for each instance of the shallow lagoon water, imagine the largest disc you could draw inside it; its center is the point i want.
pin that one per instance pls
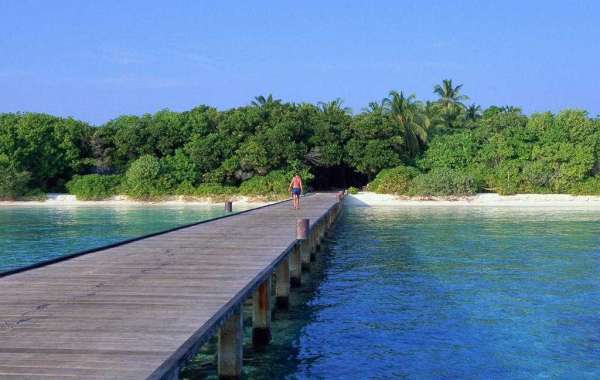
(414, 293)
(29, 234)
(443, 293)
(457, 293)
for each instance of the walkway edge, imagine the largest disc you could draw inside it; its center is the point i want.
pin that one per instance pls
(187, 350)
(127, 241)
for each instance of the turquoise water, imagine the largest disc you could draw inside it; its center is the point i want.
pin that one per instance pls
(29, 234)
(443, 293)
(398, 293)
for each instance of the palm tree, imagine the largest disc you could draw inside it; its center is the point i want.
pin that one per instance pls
(375, 107)
(450, 97)
(510, 109)
(334, 106)
(408, 115)
(261, 102)
(473, 112)
(449, 103)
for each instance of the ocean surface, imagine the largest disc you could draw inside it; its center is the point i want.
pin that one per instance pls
(397, 293)
(29, 234)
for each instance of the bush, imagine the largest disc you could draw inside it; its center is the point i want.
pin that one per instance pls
(214, 189)
(393, 181)
(177, 170)
(225, 173)
(94, 186)
(444, 182)
(537, 177)
(274, 183)
(506, 178)
(456, 150)
(185, 188)
(142, 179)
(13, 183)
(352, 190)
(589, 186)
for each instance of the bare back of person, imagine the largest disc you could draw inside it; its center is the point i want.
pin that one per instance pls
(296, 190)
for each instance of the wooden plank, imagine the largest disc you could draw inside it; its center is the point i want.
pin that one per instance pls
(134, 311)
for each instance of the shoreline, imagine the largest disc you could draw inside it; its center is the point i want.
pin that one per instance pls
(365, 199)
(479, 200)
(70, 200)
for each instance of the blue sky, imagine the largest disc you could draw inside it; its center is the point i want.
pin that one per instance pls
(95, 60)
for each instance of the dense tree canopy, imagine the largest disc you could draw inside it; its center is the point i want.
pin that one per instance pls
(406, 146)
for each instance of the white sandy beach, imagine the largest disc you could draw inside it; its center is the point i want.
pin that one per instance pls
(54, 199)
(480, 200)
(360, 199)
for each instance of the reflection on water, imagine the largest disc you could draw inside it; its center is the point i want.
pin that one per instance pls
(443, 293)
(29, 234)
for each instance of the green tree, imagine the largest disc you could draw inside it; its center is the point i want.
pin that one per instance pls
(263, 102)
(371, 156)
(449, 95)
(13, 183)
(142, 178)
(450, 103)
(473, 112)
(328, 137)
(410, 120)
(178, 169)
(50, 148)
(123, 140)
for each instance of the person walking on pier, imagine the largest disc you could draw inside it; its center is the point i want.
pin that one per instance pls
(296, 189)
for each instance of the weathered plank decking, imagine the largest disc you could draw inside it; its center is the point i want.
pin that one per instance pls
(140, 309)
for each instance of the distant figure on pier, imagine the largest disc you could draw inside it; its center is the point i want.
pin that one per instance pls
(296, 189)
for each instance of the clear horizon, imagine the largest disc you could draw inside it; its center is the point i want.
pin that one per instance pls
(96, 61)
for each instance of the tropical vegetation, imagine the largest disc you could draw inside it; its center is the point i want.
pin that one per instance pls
(398, 145)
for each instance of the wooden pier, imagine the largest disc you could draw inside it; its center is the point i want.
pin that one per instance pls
(142, 309)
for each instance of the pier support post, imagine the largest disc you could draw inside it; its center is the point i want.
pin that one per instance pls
(322, 231)
(295, 268)
(330, 220)
(302, 230)
(313, 243)
(261, 314)
(231, 339)
(282, 284)
(319, 234)
(305, 254)
(228, 206)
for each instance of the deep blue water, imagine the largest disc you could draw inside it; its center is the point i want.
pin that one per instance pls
(29, 234)
(443, 293)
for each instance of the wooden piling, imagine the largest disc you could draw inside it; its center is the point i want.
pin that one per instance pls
(231, 339)
(228, 206)
(295, 267)
(313, 244)
(261, 314)
(282, 284)
(302, 228)
(305, 253)
(302, 234)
